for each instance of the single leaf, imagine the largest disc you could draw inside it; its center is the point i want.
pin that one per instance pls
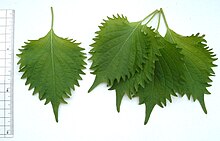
(120, 49)
(198, 63)
(52, 66)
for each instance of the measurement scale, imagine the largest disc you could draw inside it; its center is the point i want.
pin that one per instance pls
(6, 72)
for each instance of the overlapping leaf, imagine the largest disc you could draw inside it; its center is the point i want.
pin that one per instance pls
(52, 66)
(120, 49)
(198, 63)
(140, 78)
(168, 79)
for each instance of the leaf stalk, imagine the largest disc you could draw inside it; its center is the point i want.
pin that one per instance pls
(52, 17)
(158, 24)
(165, 21)
(164, 18)
(151, 14)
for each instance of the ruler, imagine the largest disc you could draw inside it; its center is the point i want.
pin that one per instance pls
(6, 72)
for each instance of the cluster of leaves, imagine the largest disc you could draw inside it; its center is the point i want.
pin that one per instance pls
(136, 60)
(52, 66)
(131, 57)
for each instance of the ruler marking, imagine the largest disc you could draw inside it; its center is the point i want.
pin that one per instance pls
(5, 84)
(4, 33)
(6, 17)
(5, 67)
(6, 25)
(5, 40)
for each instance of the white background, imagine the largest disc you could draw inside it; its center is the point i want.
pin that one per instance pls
(93, 116)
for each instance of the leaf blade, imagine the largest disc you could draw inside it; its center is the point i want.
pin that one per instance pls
(48, 66)
(198, 63)
(118, 50)
(131, 85)
(166, 81)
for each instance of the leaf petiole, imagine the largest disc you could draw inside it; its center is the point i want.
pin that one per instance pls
(52, 17)
(164, 18)
(151, 18)
(152, 15)
(158, 24)
(166, 24)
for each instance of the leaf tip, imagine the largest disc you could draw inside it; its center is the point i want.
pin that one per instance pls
(96, 82)
(55, 106)
(119, 96)
(149, 109)
(202, 103)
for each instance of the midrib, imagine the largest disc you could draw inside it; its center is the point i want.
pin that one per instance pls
(52, 62)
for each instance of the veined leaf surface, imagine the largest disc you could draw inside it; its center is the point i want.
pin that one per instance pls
(135, 60)
(52, 66)
(120, 49)
(168, 79)
(198, 63)
(131, 85)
